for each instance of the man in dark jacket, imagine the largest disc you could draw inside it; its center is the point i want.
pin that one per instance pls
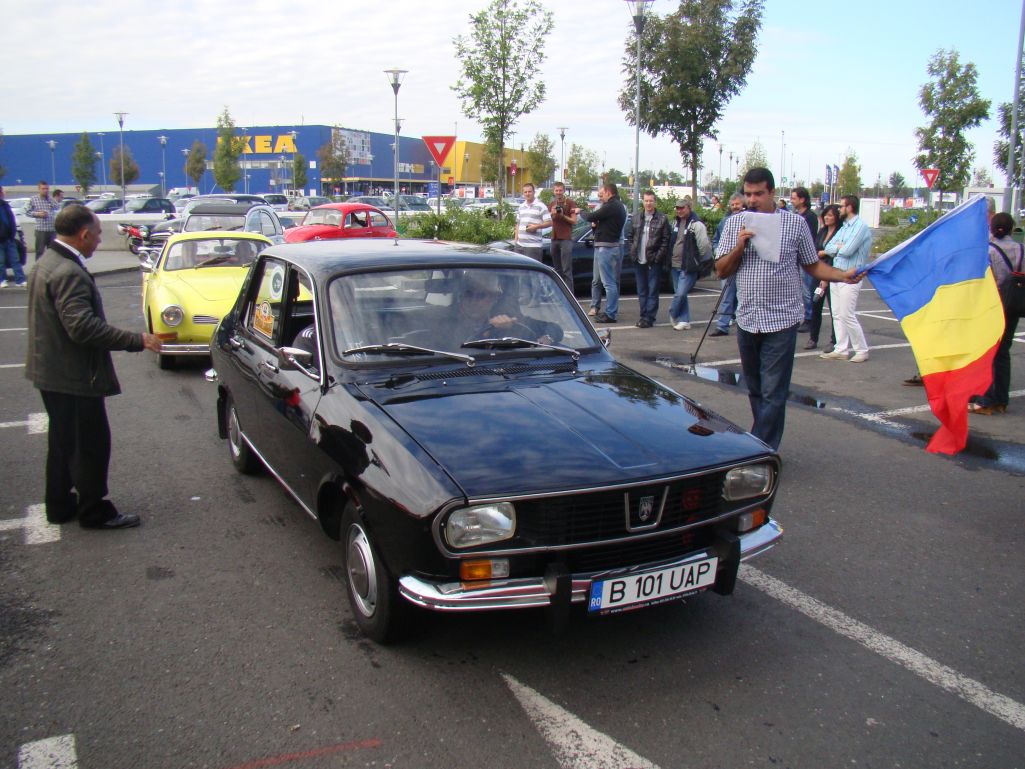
(607, 220)
(9, 256)
(69, 344)
(649, 249)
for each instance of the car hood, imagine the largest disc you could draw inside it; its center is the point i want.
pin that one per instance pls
(212, 284)
(306, 232)
(545, 434)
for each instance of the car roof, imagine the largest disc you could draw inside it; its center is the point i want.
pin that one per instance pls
(217, 235)
(346, 207)
(222, 208)
(323, 258)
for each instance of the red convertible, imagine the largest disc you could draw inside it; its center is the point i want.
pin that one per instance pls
(341, 220)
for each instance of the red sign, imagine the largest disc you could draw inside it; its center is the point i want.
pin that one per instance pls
(451, 179)
(930, 175)
(439, 147)
(513, 167)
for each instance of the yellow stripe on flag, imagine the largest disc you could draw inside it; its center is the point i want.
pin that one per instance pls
(958, 326)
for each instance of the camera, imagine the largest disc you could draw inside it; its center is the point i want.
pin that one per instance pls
(558, 209)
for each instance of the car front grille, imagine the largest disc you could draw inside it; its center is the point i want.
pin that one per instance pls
(205, 320)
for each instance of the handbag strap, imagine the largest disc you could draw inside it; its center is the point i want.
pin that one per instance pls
(1021, 256)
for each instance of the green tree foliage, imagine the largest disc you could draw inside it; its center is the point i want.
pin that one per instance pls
(83, 163)
(1001, 145)
(849, 180)
(981, 177)
(195, 162)
(897, 184)
(500, 60)
(697, 59)
(130, 166)
(491, 167)
(299, 175)
(459, 226)
(334, 157)
(755, 157)
(951, 100)
(227, 152)
(541, 158)
(615, 176)
(582, 165)
(815, 189)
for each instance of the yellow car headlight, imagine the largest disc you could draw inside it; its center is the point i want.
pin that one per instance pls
(172, 315)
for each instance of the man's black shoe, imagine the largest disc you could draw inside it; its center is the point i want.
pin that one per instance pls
(804, 328)
(603, 317)
(811, 344)
(644, 323)
(119, 521)
(719, 332)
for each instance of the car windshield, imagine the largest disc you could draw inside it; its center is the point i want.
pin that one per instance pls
(214, 252)
(205, 222)
(329, 216)
(276, 200)
(381, 316)
(413, 203)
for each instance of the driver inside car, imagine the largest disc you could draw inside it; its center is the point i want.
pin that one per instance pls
(484, 312)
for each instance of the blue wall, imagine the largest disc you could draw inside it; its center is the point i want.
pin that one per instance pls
(27, 157)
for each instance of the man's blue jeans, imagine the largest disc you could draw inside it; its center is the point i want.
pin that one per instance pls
(649, 277)
(727, 303)
(606, 274)
(9, 258)
(808, 286)
(768, 362)
(679, 310)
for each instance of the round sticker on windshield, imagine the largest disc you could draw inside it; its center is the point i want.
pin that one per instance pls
(277, 282)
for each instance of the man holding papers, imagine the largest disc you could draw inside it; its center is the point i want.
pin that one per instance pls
(766, 248)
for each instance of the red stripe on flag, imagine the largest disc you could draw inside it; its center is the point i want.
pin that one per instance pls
(949, 393)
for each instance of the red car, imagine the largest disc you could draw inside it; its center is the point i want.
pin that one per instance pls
(341, 220)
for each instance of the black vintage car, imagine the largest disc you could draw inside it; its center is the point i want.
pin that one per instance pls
(451, 417)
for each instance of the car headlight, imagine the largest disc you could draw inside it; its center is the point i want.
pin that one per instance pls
(172, 315)
(748, 481)
(480, 524)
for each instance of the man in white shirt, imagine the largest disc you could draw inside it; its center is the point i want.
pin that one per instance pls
(531, 217)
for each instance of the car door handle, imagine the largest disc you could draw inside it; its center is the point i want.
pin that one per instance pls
(235, 343)
(269, 366)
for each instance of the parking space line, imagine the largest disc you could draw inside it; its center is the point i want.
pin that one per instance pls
(575, 744)
(14, 307)
(51, 753)
(12, 365)
(38, 531)
(13, 329)
(35, 424)
(936, 673)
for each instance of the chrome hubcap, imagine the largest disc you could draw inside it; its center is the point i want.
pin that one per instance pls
(362, 571)
(234, 434)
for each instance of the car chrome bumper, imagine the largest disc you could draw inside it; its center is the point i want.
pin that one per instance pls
(184, 349)
(538, 591)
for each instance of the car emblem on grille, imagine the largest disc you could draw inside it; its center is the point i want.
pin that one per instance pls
(645, 508)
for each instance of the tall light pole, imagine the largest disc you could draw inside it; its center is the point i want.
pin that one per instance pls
(103, 158)
(245, 176)
(185, 166)
(121, 130)
(295, 151)
(638, 9)
(395, 78)
(720, 172)
(163, 165)
(53, 168)
(562, 160)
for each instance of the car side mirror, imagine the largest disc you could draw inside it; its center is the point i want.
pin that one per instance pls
(296, 359)
(605, 335)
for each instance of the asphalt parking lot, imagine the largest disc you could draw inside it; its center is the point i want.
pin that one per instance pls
(884, 631)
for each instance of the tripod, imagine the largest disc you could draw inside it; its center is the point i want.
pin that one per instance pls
(715, 310)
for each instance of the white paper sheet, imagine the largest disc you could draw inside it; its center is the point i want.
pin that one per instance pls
(766, 234)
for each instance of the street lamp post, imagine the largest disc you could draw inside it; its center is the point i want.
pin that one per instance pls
(295, 151)
(562, 158)
(103, 159)
(121, 131)
(185, 165)
(720, 173)
(245, 176)
(395, 77)
(638, 10)
(53, 168)
(163, 165)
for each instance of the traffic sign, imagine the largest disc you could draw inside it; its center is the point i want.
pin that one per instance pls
(512, 169)
(439, 147)
(930, 175)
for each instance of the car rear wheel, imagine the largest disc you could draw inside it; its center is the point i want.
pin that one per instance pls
(380, 612)
(242, 456)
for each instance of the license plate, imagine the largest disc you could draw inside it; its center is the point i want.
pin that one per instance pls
(652, 586)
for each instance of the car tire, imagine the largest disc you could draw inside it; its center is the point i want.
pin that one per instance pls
(245, 461)
(166, 362)
(380, 612)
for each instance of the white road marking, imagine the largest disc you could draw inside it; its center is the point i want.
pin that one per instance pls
(575, 744)
(36, 423)
(12, 365)
(51, 753)
(13, 329)
(934, 672)
(15, 307)
(38, 531)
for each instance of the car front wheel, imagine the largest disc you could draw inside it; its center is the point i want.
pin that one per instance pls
(380, 612)
(242, 456)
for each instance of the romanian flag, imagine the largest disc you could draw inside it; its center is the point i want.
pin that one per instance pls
(940, 286)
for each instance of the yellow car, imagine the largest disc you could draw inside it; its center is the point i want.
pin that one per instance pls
(192, 285)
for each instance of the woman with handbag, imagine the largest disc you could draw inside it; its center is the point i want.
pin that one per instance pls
(830, 226)
(1006, 257)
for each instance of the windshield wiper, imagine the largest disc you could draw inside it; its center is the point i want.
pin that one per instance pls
(214, 260)
(398, 348)
(510, 342)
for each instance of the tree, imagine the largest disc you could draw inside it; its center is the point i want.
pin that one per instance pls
(541, 158)
(299, 175)
(1000, 145)
(699, 59)
(195, 163)
(615, 176)
(491, 167)
(334, 158)
(83, 163)
(981, 177)
(582, 165)
(953, 103)
(130, 166)
(816, 188)
(500, 61)
(227, 152)
(897, 184)
(849, 180)
(755, 157)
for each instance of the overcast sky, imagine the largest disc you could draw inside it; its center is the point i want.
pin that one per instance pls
(828, 76)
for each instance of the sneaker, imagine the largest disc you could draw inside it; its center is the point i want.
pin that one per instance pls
(592, 312)
(3, 284)
(603, 317)
(835, 355)
(23, 284)
(681, 326)
(859, 357)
